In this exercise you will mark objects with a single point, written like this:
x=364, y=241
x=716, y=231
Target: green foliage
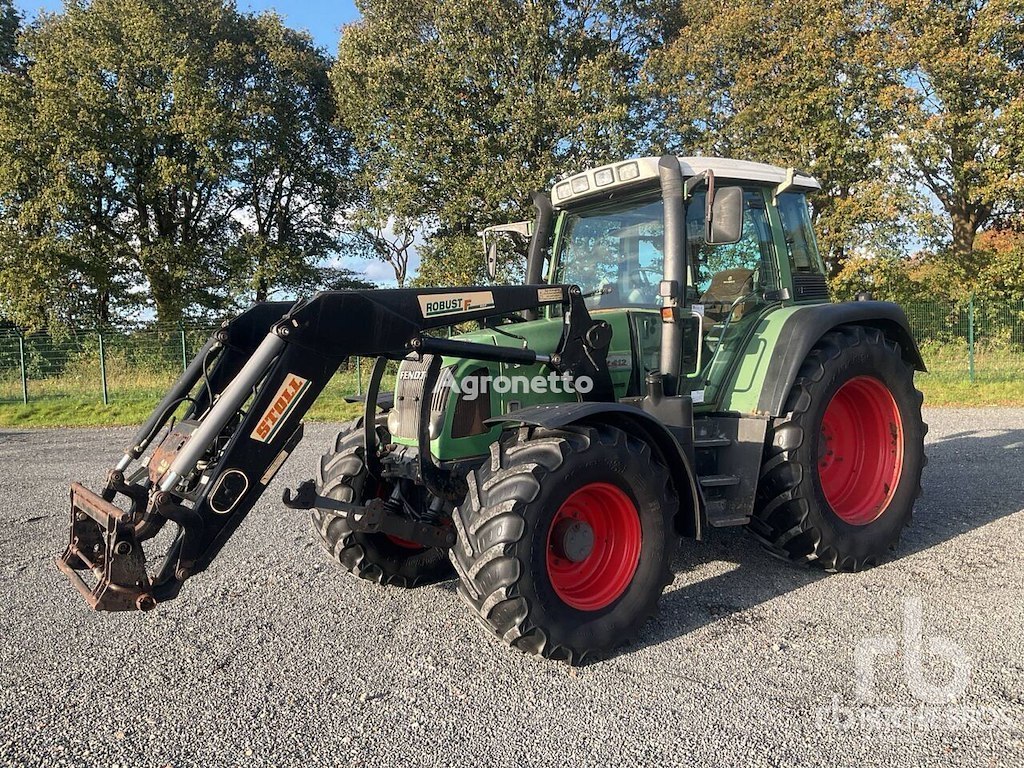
x=460, y=108
x=886, y=278
x=182, y=157
x=176, y=146
x=10, y=22
x=293, y=162
x=799, y=83
x=1001, y=255
x=961, y=124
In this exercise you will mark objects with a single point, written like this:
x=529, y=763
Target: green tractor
x=670, y=364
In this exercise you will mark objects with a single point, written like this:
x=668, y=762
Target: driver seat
x=726, y=287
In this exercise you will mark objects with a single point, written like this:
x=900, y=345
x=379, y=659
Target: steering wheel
x=646, y=291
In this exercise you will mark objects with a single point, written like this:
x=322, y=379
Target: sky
x=321, y=18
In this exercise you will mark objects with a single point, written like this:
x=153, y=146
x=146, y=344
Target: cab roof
x=628, y=173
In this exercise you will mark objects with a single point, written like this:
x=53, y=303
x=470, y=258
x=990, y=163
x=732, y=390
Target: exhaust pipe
x=541, y=236
x=538, y=244
x=674, y=283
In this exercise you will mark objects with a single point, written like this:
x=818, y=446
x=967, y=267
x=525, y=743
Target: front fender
x=630, y=419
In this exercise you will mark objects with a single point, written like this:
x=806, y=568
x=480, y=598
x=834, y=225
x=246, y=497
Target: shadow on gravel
x=972, y=479
x=728, y=597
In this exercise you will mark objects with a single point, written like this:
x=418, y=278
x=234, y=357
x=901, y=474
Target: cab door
x=730, y=288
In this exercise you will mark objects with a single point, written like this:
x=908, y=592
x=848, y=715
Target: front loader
x=671, y=364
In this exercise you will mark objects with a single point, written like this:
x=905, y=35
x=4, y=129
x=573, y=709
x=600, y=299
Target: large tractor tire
x=842, y=466
x=565, y=540
x=376, y=557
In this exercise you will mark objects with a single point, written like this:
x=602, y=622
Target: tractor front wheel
x=565, y=539
x=842, y=467
x=376, y=557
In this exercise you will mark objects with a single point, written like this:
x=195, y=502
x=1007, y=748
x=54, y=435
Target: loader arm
x=248, y=390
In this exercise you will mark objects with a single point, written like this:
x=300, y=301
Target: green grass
x=998, y=376
x=74, y=399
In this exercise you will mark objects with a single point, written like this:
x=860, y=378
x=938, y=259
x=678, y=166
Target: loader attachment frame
x=247, y=391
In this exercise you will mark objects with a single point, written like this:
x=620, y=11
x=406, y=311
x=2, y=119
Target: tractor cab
x=608, y=237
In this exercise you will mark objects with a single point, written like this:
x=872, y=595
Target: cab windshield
x=614, y=253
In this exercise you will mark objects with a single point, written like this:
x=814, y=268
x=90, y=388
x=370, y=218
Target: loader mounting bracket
x=373, y=517
x=104, y=541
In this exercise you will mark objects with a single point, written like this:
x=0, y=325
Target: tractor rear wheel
x=565, y=539
x=842, y=467
x=376, y=557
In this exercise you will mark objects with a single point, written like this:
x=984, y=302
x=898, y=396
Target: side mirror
x=490, y=236
x=724, y=221
x=492, y=258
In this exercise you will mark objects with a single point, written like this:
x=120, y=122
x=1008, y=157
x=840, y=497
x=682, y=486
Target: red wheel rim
x=603, y=573
x=398, y=541
x=860, y=450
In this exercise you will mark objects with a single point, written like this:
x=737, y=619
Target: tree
x=393, y=245
x=39, y=285
x=800, y=83
x=133, y=119
x=461, y=108
x=175, y=153
x=294, y=163
x=962, y=129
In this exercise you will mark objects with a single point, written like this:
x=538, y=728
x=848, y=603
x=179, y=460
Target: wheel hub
x=573, y=540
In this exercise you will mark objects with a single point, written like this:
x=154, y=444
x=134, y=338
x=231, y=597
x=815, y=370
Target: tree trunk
x=166, y=296
x=966, y=222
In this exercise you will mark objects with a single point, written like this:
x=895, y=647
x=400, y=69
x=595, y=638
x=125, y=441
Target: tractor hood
x=471, y=391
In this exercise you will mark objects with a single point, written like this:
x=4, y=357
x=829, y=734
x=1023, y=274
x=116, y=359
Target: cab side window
x=751, y=258
x=796, y=224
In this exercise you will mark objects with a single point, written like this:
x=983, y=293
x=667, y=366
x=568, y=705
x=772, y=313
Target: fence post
x=103, y=370
x=24, y=371
x=184, y=350
x=970, y=337
x=359, y=377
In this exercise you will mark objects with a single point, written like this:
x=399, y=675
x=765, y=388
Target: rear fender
x=805, y=326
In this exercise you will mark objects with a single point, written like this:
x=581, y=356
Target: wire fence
x=972, y=341
x=976, y=340
x=105, y=366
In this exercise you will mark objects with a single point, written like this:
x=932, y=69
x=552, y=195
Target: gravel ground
x=275, y=657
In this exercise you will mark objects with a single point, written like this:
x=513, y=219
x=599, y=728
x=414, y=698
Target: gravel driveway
x=275, y=657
